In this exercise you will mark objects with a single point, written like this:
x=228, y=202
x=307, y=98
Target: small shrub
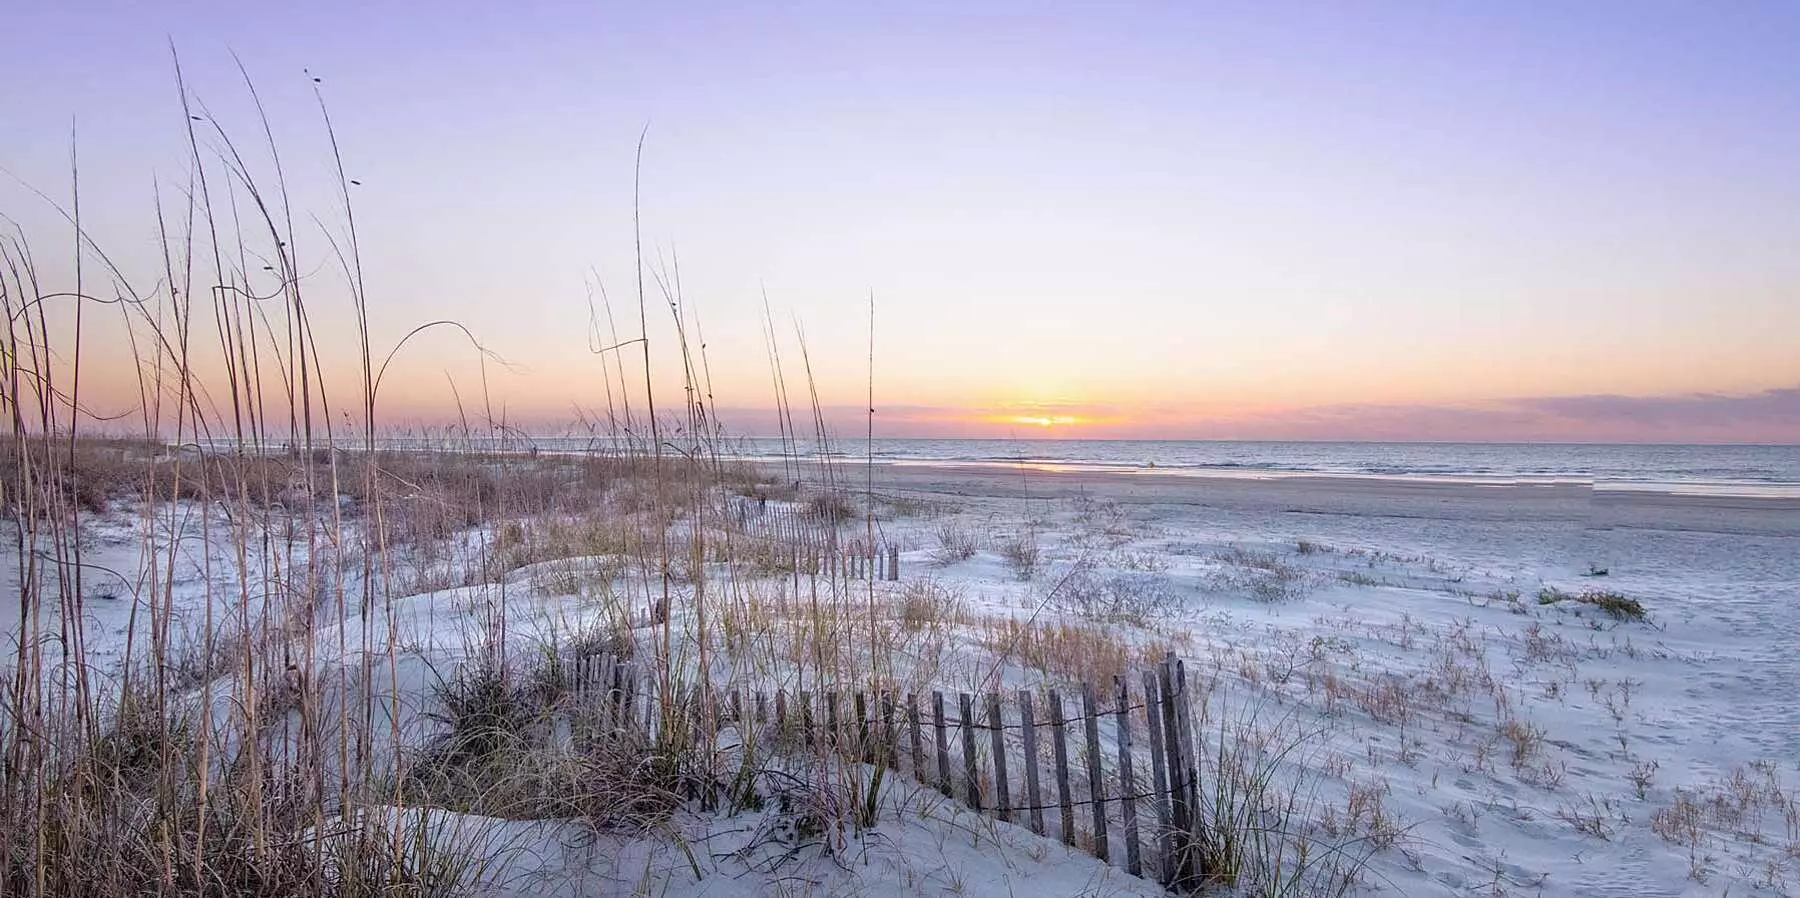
x=954, y=544
x=1073, y=651
x=831, y=508
x=1526, y=740
x=1023, y=555
x=924, y=603
x=1614, y=604
x=1265, y=832
x=1618, y=606
x=1679, y=823
x=1138, y=599
x=1597, y=818
x=1262, y=574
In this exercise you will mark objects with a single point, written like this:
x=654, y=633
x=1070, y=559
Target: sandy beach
x=1357, y=496
x=1403, y=576
x=1435, y=659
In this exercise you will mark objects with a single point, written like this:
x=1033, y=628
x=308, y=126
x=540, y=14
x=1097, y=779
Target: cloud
x=1767, y=416
x=1692, y=410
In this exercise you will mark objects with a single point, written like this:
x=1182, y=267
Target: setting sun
x=1044, y=420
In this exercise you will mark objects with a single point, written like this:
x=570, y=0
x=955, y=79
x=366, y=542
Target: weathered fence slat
x=1127, y=785
x=864, y=745
x=1189, y=760
x=640, y=689
x=1179, y=859
x=943, y=743
x=1159, y=782
x=623, y=693
x=1096, y=783
x=604, y=686
x=1002, y=788
x=1059, y=743
x=831, y=719
x=698, y=712
x=1033, y=796
x=971, y=773
x=918, y=745
x=806, y=718
x=889, y=737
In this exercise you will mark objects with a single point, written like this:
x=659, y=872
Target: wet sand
x=1562, y=503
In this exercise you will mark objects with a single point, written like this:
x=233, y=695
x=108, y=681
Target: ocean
x=1741, y=470
x=1725, y=470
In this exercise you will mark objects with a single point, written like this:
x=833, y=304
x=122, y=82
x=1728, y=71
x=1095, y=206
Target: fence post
x=1033, y=796
x=889, y=740
x=831, y=721
x=971, y=773
x=943, y=742
x=1096, y=780
x=1179, y=861
x=1059, y=744
x=1127, y=784
x=1191, y=776
x=625, y=692
x=641, y=683
x=603, y=679
x=597, y=679
x=626, y=714
x=1002, y=789
x=865, y=745
x=1164, y=838
x=698, y=705
x=918, y=745
x=893, y=563
x=629, y=716
x=806, y=718
x=611, y=695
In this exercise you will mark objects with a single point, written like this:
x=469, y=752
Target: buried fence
x=1069, y=766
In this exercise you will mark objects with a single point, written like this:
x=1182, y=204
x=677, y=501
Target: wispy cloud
x=1767, y=416
x=1693, y=410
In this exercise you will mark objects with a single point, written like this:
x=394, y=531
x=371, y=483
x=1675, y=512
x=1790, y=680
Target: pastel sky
x=1301, y=220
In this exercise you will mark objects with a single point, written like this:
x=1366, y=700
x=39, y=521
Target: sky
x=1508, y=221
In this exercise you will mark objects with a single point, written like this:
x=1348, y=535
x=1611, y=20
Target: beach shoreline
x=1565, y=502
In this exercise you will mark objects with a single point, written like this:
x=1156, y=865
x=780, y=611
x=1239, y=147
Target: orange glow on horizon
x=1045, y=421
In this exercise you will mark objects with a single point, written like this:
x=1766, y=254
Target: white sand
x=1710, y=684
x=1405, y=586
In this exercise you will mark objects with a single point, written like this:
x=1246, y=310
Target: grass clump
x=1121, y=598
x=954, y=543
x=1023, y=555
x=1620, y=607
x=831, y=508
x=1267, y=826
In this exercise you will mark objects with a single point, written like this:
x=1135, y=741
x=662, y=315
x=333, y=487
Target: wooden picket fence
x=1109, y=771
x=814, y=543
